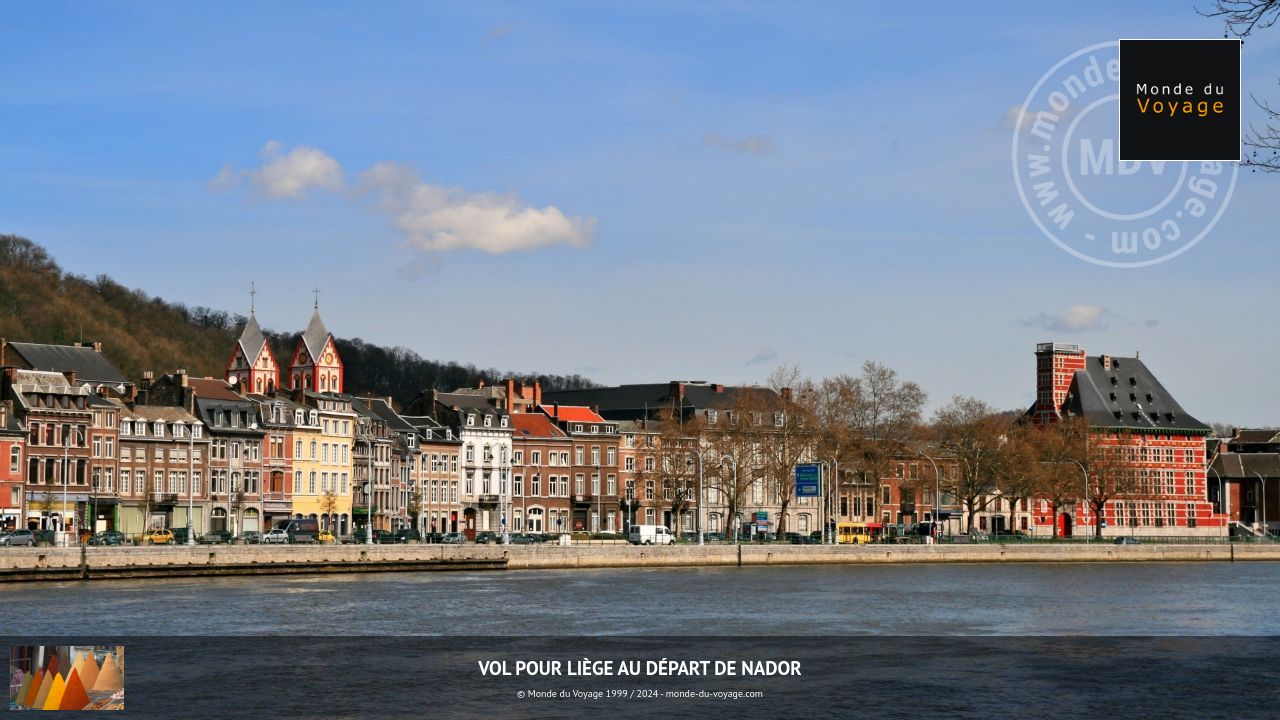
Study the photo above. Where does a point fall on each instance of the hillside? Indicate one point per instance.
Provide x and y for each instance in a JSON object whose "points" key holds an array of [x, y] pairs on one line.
{"points": [[41, 303]]}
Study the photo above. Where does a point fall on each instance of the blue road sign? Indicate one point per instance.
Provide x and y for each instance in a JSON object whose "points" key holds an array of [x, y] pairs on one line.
{"points": [[808, 480]]}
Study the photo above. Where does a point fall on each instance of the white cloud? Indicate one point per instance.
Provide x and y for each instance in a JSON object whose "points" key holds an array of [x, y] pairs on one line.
{"points": [[1077, 318], [285, 175], [432, 218], [749, 145], [435, 218]]}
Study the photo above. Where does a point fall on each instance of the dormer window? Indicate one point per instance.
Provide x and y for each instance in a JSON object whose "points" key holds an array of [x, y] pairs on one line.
{"points": [[179, 430], [157, 428], [711, 417], [471, 420], [777, 419], [126, 428], [577, 428], [141, 427], [313, 418], [488, 420], [197, 431], [595, 429], [504, 422]]}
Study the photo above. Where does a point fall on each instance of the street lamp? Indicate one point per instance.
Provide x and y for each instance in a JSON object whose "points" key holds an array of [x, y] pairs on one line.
{"points": [[93, 524], [937, 496], [191, 480], [368, 515], [1263, 482], [66, 446]]}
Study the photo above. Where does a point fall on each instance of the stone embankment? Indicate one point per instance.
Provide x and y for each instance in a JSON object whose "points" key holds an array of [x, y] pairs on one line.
{"points": [[94, 563]]}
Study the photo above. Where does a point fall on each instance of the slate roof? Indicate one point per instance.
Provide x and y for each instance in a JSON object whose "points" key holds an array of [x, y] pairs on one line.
{"points": [[315, 336], [1126, 396], [89, 365], [377, 407], [1244, 465], [625, 402], [473, 403], [1251, 437], [252, 338]]}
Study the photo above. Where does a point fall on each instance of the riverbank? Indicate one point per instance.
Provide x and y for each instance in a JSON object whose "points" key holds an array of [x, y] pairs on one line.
{"points": [[35, 564]]}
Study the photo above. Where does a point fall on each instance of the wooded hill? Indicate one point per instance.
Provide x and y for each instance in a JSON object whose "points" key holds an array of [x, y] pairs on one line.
{"points": [[41, 303]]}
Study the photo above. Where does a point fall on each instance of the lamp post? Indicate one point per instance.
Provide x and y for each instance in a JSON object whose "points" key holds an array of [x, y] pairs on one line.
{"points": [[368, 513], [1086, 496], [1222, 496], [93, 526], [937, 496], [66, 467], [1263, 482], [701, 527], [191, 479]]}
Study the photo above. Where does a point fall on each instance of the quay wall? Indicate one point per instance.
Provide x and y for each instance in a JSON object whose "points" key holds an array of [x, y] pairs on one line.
{"points": [[19, 564]]}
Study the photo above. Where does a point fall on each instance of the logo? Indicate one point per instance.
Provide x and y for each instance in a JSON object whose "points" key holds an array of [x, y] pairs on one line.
{"points": [[1103, 210]]}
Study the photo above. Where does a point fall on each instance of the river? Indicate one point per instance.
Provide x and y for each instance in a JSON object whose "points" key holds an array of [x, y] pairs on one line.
{"points": [[1206, 599]]}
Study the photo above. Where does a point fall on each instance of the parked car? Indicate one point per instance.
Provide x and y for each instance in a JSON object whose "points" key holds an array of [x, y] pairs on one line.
{"points": [[108, 537], [161, 536], [453, 539], [278, 536], [651, 535], [325, 537], [799, 539], [379, 536], [407, 535], [487, 537], [525, 539], [18, 537], [1128, 540], [250, 537], [301, 530], [217, 537], [433, 538]]}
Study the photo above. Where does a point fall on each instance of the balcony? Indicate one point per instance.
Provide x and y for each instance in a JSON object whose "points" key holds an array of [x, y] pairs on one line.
{"points": [[487, 499]]}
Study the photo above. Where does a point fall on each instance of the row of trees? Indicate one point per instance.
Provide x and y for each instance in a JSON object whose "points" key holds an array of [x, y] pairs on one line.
{"points": [[866, 425]]}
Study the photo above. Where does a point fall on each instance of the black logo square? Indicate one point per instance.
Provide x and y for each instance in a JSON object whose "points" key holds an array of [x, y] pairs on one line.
{"points": [[1180, 100]]}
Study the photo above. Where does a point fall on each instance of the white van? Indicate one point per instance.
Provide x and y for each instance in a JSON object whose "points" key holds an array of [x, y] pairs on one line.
{"points": [[651, 535]]}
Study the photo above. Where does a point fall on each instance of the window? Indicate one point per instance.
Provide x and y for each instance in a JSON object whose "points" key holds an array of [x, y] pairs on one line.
{"points": [[578, 456], [535, 486], [611, 456], [536, 457], [488, 420], [629, 463], [15, 460], [579, 484], [311, 484]]}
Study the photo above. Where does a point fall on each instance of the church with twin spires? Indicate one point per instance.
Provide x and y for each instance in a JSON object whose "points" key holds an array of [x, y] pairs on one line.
{"points": [[314, 365]]}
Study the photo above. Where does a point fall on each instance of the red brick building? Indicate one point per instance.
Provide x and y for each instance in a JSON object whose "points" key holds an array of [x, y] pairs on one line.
{"points": [[594, 491], [1160, 444], [540, 453], [12, 441]]}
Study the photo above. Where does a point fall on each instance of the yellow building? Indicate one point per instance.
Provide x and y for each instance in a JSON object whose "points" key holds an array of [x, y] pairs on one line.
{"points": [[322, 461]]}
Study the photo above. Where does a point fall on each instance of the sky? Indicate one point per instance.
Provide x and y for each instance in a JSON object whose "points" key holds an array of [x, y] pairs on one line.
{"points": [[637, 192]]}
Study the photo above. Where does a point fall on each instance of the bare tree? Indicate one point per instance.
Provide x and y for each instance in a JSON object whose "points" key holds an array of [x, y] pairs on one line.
{"points": [[881, 417], [1111, 475], [1058, 478], [786, 435], [1241, 18], [971, 434], [734, 457], [1016, 470]]}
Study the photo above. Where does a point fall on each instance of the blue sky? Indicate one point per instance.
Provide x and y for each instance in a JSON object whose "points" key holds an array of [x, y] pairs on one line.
{"points": [[682, 190]]}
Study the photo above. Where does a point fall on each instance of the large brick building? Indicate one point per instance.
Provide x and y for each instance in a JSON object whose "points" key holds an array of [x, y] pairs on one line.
{"points": [[12, 442], [1161, 446]]}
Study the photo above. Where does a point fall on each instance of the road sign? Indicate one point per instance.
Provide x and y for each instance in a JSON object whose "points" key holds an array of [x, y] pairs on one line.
{"points": [[808, 480]]}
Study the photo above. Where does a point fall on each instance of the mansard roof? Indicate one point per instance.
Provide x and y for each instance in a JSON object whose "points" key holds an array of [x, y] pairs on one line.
{"points": [[1126, 395]]}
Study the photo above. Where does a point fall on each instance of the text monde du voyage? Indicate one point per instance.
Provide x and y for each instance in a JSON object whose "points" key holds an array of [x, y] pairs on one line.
{"points": [[587, 667], [1179, 99]]}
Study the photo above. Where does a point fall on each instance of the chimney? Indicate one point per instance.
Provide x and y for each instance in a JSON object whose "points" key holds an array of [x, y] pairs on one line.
{"points": [[718, 388], [511, 394], [97, 347], [537, 392], [676, 390], [786, 394], [1106, 362], [71, 376], [555, 411], [182, 377]]}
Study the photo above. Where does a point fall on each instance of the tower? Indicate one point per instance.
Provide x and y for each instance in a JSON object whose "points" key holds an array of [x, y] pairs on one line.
{"points": [[1056, 366], [252, 366], [315, 364]]}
